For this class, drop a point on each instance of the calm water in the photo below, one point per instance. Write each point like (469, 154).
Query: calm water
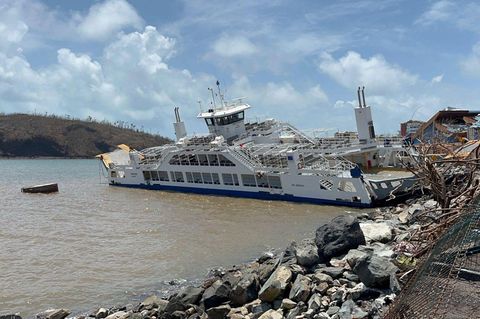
(93, 244)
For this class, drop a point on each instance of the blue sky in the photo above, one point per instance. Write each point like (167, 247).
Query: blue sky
(296, 61)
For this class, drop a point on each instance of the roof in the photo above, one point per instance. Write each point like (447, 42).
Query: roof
(228, 110)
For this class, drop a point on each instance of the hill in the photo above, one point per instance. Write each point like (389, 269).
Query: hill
(25, 135)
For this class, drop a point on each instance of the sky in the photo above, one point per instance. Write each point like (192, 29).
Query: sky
(297, 61)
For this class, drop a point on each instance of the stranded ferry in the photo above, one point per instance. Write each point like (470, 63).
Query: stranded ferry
(265, 160)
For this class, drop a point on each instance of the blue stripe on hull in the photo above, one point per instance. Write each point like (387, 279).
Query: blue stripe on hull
(244, 194)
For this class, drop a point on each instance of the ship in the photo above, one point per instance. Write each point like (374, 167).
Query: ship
(268, 160)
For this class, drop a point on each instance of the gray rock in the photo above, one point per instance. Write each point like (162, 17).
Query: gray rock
(118, 315)
(307, 253)
(354, 255)
(404, 217)
(150, 303)
(357, 291)
(319, 277)
(394, 284)
(332, 310)
(190, 295)
(315, 302)
(350, 310)
(10, 316)
(338, 236)
(351, 276)
(178, 315)
(299, 309)
(53, 314)
(219, 312)
(271, 314)
(381, 232)
(334, 272)
(101, 313)
(300, 290)
(259, 309)
(216, 294)
(375, 271)
(275, 286)
(288, 304)
(245, 290)
(322, 315)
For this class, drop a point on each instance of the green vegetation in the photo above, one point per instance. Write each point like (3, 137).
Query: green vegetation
(25, 135)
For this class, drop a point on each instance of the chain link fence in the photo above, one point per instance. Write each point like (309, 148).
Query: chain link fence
(447, 284)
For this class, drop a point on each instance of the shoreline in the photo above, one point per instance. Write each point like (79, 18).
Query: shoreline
(334, 275)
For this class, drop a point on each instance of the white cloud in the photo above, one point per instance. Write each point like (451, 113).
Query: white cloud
(232, 46)
(375, 72)
(107, 18)
(439, 11)
(471, 64)
(437, 79)
(129, 81)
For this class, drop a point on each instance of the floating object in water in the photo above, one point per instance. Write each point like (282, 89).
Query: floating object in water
(45, 188)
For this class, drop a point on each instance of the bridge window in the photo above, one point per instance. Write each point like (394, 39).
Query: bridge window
(229, 119)
(189, 177)
(227, 179)
(154, 175)
(215, 179)
(262, 181)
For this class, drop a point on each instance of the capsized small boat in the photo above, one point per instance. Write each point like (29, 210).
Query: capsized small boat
(44, 188)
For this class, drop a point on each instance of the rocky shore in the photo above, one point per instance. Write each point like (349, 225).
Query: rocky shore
(353, 268)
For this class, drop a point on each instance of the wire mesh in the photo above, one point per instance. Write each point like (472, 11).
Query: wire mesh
(447, 284)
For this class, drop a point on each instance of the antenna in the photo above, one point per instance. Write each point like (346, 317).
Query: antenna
(213, 98)
(220, 94)
(200, 105)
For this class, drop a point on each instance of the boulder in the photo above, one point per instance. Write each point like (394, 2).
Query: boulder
(306, 253)
(150, 303)
(101, 313)
(334, 272)
(319, 277)
(300, 290)
(53, 314)
(219, 312)
(271, 314)
(350, 310)
(381, 232)
(337, 237)
(375, 271)
(299, 309)
(245, 290)
(190, 295)
(216, 294)
(354, 255)
(404, 217)
(315, 302)
(118, 315)
(322, 287)
(288, 304)
(259, 309)
(275, 286)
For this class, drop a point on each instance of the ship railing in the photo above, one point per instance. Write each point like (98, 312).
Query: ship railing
(242, 156)
(297, 132)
